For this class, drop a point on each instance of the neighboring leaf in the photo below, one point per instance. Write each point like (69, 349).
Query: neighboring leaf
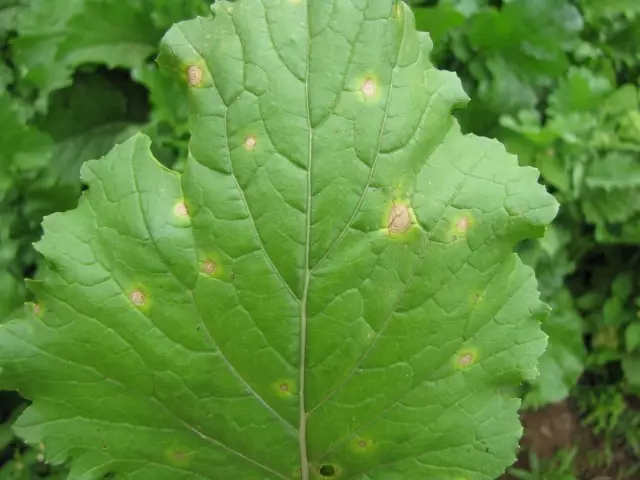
(612, 201)
(615, 171)
(522, 46)
(169, 123)
(599, 8)
(56, 36)
(632, 337)
(85, 121)
(24, 152)
(328, 290)
(22, 149)
(8, 11)
(439, 20)
(563, 362)
(631, 369)
(580, 91)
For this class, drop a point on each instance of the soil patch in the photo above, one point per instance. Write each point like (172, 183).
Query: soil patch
(557, 427)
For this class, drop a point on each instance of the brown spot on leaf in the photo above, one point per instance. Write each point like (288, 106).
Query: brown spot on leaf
(181, 210)
(465, 359)
(362, 444)
(194, 75)
(399, 219)
(284, 387)
(209, 267)
(462, 224)
(137, 298)
(179, 456)
(250, 143)
(369, 88)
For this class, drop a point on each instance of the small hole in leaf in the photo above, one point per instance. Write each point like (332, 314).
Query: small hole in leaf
(327, 471)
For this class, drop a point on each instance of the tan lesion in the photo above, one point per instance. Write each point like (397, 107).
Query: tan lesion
(399, 219)
(137, 298)
(250, 143)
(194, 75)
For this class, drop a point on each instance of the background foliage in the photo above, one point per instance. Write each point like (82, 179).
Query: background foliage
(555, 80)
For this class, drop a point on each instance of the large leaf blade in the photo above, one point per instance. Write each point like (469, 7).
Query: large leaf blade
(328, 290)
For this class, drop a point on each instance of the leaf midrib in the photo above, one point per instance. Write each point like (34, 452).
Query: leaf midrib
(302, 427)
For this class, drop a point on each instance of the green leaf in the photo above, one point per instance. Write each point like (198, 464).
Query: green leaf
(523, 46)
(24, 152)
(632, 337)
(439, 20)
(614, 172)
(631, 369)
(600, 8)
(328, 290)
(563, 361)
(169, 123)
(85, 121)
(580, 91)
(55, 36)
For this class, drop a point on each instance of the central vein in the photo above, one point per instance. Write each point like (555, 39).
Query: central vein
(302, 427)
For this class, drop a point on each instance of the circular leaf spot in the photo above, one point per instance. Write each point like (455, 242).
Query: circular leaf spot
(369, 88)
(137, 298)
(465, 359)
(181, 210)
(209, 267)
(250, 143)
(194, 75)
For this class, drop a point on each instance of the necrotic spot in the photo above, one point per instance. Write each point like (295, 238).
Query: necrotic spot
(137, 298)
(181, 210)
(399, 219)
(368, 88)
(209, 267)
(194, 75)
(465, 359)
(250, 143)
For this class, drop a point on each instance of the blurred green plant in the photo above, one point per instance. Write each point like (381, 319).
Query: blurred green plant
(558, 467)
